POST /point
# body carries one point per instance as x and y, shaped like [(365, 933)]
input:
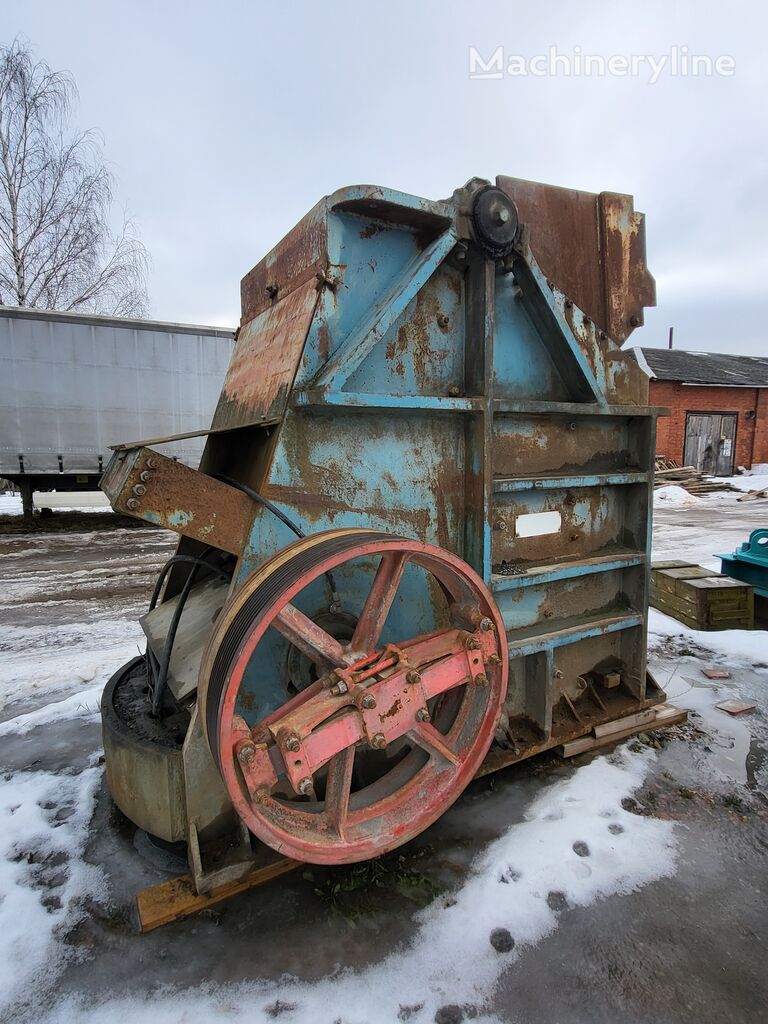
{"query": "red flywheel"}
[(387, 735)]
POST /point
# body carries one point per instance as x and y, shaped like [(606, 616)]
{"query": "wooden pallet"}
[(660, 717)]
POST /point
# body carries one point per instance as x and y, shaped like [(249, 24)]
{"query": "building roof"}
[(704, 367)]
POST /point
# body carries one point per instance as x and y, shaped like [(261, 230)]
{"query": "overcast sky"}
[(225, 122)]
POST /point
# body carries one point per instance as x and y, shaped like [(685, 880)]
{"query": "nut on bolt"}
[(378, 741), (423, 715), (413, 677), (139, 489), (481, 680), (132, 504), (246, 753), (291, 742), (472, 643), (305, 787), (368, 701)]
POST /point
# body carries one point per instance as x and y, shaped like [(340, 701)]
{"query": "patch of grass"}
[(363, 890)]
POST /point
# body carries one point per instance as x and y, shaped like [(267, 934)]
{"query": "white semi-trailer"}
[(72, 385)]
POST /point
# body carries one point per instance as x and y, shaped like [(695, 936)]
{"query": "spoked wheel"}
[(388, 735)]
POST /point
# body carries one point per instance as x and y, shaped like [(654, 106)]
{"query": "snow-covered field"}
[(70, 619)]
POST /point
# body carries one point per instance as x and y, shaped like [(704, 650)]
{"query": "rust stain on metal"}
[(142, 483), (593, 247), (265, 360), (393, 711), (293, 261)]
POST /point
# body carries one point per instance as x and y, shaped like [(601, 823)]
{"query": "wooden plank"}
[(642, 719), (666, 715), (178, 897)]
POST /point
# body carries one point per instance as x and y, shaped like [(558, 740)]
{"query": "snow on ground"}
[(576, 842), (44, 665), (748, 481), (71, 501), (44, 825), (576, 845), (673, 496), (738, 645)]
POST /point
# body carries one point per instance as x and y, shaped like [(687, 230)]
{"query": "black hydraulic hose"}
[(192, 559), (255, 496)]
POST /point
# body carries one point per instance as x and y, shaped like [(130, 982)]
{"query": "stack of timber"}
[(667, 472), (701, 598)]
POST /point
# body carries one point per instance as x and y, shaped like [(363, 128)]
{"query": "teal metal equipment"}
[(749, 562)]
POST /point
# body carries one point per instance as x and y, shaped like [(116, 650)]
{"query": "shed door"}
[(710, 441)]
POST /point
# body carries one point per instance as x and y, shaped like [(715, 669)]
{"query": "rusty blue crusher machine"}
[(417, 546)]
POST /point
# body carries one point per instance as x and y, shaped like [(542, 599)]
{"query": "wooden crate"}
[(701, 598)]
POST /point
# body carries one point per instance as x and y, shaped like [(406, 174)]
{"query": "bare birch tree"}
[(57, 249)]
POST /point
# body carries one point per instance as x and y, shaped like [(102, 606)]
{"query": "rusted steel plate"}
[(264, 363), (592, 247), (149, 486), (293, 261)]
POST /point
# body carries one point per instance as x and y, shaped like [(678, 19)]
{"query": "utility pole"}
[(671, 332)]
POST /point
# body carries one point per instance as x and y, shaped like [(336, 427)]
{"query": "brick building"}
[(718, 408)]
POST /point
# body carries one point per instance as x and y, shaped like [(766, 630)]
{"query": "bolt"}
[(493, 659), (305, 787), (378, 741), (368, 702), (454, 391), (557, 674), (145, 476), (502, 215), (261, 795), (413, 676), (339, 689), (568, 304), (460, 252), (132, 504), (472, 643), (500, 525), (481, 680), (423, 715), (246, 753), (150, 463), (587, 321), (291, 743), (634, 321), (572, 425), (272, 290), (486, 624), (443, 320), (139, 489)]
